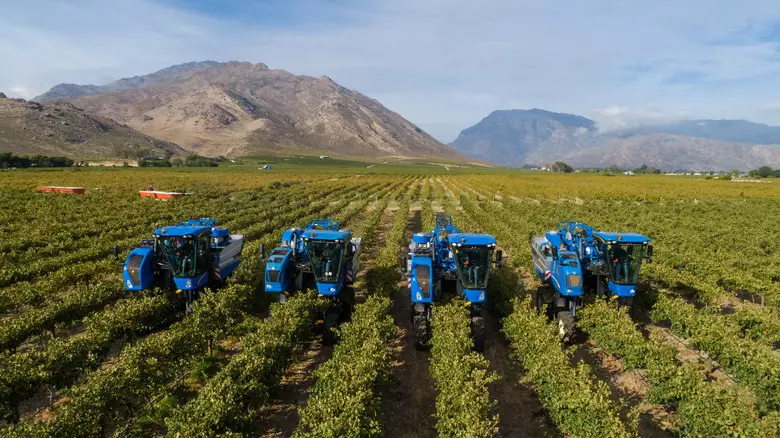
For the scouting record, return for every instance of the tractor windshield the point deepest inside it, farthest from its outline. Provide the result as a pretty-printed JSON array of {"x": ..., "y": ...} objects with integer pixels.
[
  {"x": 624, "y": 262},
  {"x": 473, "y": 265},
  {"x": 326, "y": 257},
  {"x": 186, "y": 256}
]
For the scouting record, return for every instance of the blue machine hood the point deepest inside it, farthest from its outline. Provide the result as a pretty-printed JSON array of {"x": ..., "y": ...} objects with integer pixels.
[
  {"x": 472, "y": 239},
  {"x": 621, "y": 237}
]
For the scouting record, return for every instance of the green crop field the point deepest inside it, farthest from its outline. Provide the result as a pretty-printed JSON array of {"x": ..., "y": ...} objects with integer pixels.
[{"x": 80, "y": 356}]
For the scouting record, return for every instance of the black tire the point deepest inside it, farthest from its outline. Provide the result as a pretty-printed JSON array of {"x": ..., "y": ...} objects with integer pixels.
[
  {"x": 478, "y": 333},
  {"x": 566, "y": 325},
  {"x": 422, "y": 332},
  {"x": 540, "y": 304},
  {"x": 328, "y": 327},
  {"x": 347, "y": 304}
]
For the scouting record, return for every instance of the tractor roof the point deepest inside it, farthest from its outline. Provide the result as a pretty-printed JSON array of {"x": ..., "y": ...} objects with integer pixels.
[
  {"x": 472, "y": 239},
  {"x": 326, "y": 235},
  {"x": 179, "y": 231},
  {"x": 621, "y": 237}
]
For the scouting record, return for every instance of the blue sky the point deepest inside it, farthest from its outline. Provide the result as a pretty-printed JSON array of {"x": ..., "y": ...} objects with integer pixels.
[{"x": 442, "y": 64}]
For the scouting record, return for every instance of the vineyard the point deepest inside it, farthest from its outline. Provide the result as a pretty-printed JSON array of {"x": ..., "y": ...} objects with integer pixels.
[{"x": 82, "y": 357}]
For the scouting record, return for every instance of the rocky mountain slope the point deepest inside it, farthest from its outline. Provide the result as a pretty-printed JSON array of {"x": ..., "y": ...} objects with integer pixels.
[
  {"x": 29, "y": 128},
  {"x": 239, "y": 108},
  {"x": 64, "y": 91},
  {"x": 519, "y": 137}
]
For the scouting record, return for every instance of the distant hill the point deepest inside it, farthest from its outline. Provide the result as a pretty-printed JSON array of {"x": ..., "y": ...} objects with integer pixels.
[
  {"x": 530, "y": 137},
  {"x": 29, "y": 128},
  {"x": 738, "y": 131},
  {"x": 511, "y": 136},
  {"x": 239, "y": 108}
]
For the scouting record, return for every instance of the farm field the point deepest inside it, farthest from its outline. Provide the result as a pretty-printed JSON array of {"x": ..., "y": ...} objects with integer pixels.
[{"x": 80, "y": 356}]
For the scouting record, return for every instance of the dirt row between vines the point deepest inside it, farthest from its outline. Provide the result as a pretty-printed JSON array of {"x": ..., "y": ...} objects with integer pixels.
[{"x": 281, "y": 418}]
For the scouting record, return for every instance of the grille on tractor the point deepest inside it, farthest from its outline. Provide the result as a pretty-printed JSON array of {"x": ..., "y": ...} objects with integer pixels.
[
  {"x": 573, "y": 280},
  {"x": 273, "y": 276},
  {"x": 423, "y": 276},
  {"x": 133, "y": 268}
]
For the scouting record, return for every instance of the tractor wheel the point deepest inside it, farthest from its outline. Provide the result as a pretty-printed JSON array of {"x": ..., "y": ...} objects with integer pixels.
[
  {"x": 329, "y": 326},
  {"x": 565, "y": 325},
  {"x": 347, "y": 304},
  {"x": 422, "y": 332},
  {"x": 540, "y": 301},
  {"x": 478, "y": 333}
]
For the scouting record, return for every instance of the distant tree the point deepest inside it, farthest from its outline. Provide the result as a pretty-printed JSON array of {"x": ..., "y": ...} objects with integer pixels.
[
  {"x": 764, "y": 171},
  {"x": 561, "y": 166},
  {"x": 776, "y": 173},
  {"x": 640, "y": 169},
  {"x": 614, "y": 169},
  {"x": 734, "y": 172},
  {"x": 177, "y": 162}
]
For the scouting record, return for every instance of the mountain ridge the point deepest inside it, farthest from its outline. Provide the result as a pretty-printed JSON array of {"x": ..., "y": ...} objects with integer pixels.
[
  {"x": 529, "y": 137},
  {"x": 239, "y": 108}
]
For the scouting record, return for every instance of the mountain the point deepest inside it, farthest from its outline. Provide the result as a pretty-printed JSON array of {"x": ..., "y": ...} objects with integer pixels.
[
  {"x": 672, "y": 152},
  {"x": 64, "y": 91},
  {"x": 529, "y": 137},
  {"x": 29, "y": 128},
  {"x": 511, "y": 137},
  {"x": 239, "y": 108},
  {"x": 738, "y": 131}
]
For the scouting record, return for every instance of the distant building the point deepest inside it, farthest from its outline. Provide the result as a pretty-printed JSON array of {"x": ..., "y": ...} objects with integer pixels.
[{"x": 324, "y": 157}]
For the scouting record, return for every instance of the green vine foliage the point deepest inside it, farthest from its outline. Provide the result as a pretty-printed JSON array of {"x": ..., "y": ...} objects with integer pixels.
[{"x": 463, "y": 405}]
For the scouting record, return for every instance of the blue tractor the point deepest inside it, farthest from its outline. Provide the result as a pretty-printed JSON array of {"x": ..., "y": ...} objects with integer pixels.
[
  {"x": 186, "y": 257},
  {"x": 447, "y": 260},
  {"x": 575, "y": 258},
  {"x": 321, "y": 257}
]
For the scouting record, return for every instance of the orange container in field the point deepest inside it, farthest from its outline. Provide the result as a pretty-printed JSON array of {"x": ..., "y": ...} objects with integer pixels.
[
  {"x": 57, "y": 189},
  {"x": 160, "y": 195}
]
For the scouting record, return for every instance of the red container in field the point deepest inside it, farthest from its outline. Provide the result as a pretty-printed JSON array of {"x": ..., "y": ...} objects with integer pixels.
[
  {"x": 57, "y": 189},
  {"x": 160, "y": 195}
]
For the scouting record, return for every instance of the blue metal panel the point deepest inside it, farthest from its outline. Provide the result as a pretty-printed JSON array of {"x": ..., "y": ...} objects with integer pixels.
[
  {"x": 179, "y": 231},
  {"x": 622, "y": 237},
  {"x": 329, "y": 289},
  {"x": 475, "y": 295},
  {"x": 327, "y": 235},
  {"x": 472, "y": 239},
  {"x": 220, "y": 232},
  {"x": 192, "y": 283},
  {"x": 628, "y": 290},
  {"x": 145, "y": 275},
  {"x": 418, "y": 294}
]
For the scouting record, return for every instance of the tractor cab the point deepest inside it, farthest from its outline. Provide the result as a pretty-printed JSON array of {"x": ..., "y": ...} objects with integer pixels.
[
  {"x": 330, "y": 252},
  {"x": 473, "y": 256},
  {"x": 624, "y": 253},
  {"x": 186, "y": 248}
]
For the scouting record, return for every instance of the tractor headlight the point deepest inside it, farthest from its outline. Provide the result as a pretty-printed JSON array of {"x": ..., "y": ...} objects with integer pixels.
[
  {"x": 188, "y": 283},
  {"x": 418, "y": 296},
  {"x": 632, "y": 291},
  {"x": 129, "y": 283},
  {"x": 333, "y": 289},
  {"x": 482, "y": 296},
  {"x": 267, "y": 286}
]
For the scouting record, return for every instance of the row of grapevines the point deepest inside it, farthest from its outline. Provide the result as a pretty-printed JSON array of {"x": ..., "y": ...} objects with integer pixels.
[
  {"x": 384, "y": 275},
  {"x": 63, "y": 360},
  {"x": 111, "y": 393},
  {"x": 85, "y": 299},
  {"x": 755, "y": 365},
  {"x": 343, "y": 402},
  {"x": 247, "y": 381},
  {"x": 463, "y": 406},
  {"x": 577, "y": 405},
  {"x": 681, "y": 385}
]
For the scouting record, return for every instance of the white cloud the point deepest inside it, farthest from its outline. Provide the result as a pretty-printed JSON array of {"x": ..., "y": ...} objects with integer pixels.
[
  {"x": 437, "y": 62},
  {"x": 613, "y": 118}
]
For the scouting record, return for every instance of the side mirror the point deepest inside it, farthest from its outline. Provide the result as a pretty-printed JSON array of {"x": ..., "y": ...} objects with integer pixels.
[
  {"x": 499, "y": 258},
  {"x": 404, "y": 261},
  {"x": 116, "y": 253},
  {"x": 649, "y": 251},
  {"x": 262, "y": 252},
  {"x": 554, "y": 252}
]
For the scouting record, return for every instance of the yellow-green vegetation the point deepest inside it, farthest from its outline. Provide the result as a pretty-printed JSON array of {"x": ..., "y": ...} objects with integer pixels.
[{"x": 113, "y": 362}]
